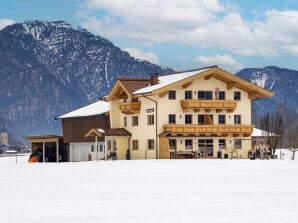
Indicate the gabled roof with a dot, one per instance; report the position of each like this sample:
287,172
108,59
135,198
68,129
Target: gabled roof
108,132
185,78
96,108
168,80
125,87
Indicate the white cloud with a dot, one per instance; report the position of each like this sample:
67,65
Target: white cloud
211,24
139,54
224,61
6,22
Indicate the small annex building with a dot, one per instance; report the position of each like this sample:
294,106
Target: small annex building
77,123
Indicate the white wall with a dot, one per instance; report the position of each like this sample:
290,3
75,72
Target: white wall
80,151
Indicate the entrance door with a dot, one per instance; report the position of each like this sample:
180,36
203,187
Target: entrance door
205,147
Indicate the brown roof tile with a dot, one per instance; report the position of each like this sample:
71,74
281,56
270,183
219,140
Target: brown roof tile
134,84
117,132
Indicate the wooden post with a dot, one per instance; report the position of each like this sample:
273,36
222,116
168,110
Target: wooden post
105,150
57,151
70,153
96,147
43,152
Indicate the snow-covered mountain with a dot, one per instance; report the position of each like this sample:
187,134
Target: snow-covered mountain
283,82
49,68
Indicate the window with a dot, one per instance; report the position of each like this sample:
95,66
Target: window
135,120
188,95
222,143
205,147
150,119
221,119
173,144
134,99
150,144
172,95
109,144
125,121
205,95
100,148
201,119
172,119
92,148
221,95
188,143
237,95
135,144
237,119
188,119
237,144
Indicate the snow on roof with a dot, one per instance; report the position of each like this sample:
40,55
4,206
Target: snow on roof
165,80
260,132
96,108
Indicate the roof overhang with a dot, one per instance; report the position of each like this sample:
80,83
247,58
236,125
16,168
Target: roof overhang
118,91
94,132
254,91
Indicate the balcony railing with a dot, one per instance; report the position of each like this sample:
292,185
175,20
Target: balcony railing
219,105
220,130
129,108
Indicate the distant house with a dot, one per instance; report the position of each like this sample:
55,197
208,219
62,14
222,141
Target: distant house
77,123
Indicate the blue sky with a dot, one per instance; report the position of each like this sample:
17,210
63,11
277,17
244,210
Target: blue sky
180,34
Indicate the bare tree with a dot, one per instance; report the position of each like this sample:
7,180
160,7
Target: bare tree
292,139
274,125
282,129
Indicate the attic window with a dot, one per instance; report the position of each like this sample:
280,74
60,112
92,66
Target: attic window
237,95
172,95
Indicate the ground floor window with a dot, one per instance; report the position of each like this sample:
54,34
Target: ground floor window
205,147
173,144
111,145
188,143
135,144
237,144
150,143
222,144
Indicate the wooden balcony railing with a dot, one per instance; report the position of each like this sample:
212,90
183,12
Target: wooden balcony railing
220,130
219,105
129,108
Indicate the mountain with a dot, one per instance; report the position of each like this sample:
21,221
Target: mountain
283,82
49,68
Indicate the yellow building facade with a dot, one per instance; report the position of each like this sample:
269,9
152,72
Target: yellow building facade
203,113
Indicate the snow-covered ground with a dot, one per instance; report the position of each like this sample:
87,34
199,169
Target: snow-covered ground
224,191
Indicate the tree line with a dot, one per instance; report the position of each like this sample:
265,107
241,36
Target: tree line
281,126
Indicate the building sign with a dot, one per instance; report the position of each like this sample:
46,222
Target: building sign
150,110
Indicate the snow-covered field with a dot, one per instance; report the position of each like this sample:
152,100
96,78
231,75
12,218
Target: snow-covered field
224,191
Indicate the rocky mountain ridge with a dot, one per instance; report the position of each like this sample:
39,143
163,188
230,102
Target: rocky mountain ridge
49,68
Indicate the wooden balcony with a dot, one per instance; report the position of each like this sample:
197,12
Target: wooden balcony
218,105
209,130
129,108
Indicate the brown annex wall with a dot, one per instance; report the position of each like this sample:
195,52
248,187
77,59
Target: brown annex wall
74,129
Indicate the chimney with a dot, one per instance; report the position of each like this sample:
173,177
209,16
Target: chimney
154,79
